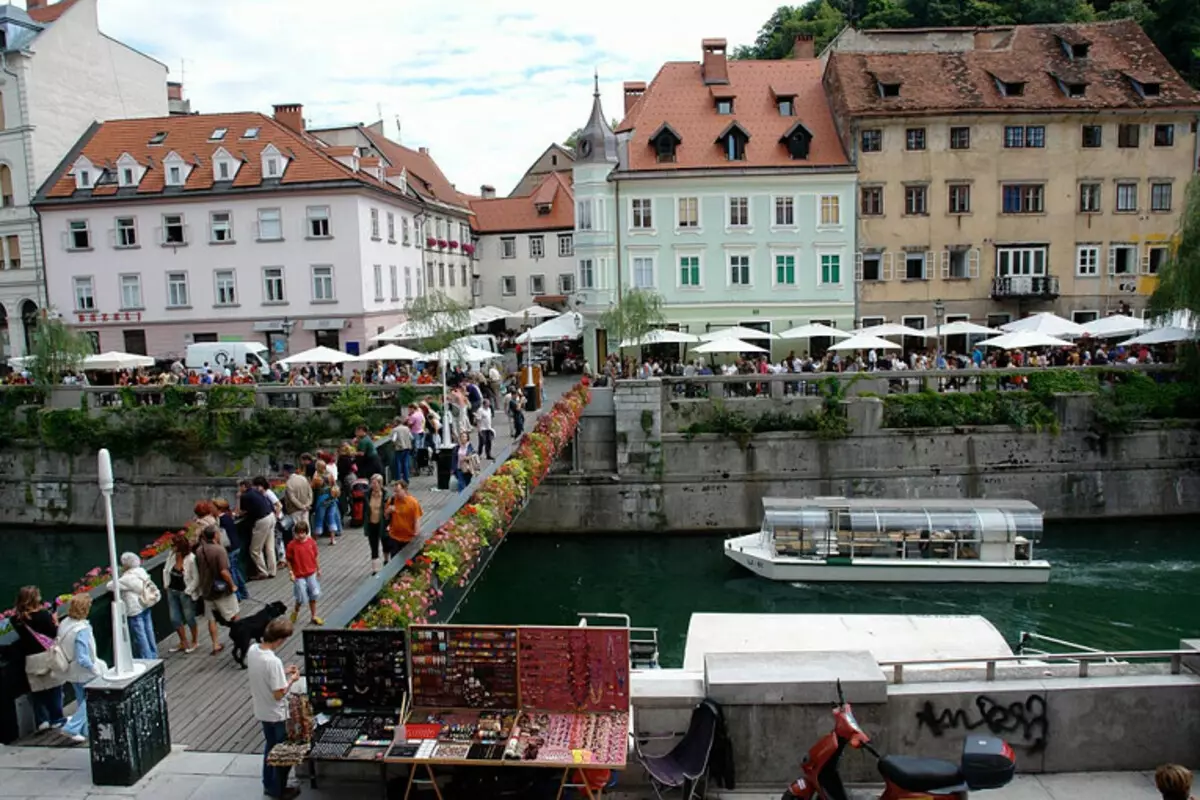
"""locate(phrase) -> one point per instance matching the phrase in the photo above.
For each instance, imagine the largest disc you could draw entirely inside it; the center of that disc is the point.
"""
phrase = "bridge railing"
(263, 395)
(1080, 660)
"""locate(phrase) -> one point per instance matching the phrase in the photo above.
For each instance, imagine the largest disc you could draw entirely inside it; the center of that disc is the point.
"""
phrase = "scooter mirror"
(840, 696)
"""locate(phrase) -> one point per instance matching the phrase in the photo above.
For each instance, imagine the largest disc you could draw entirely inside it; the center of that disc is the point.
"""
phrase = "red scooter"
(987, 763)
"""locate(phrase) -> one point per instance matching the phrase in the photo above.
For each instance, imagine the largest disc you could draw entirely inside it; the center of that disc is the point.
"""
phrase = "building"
(726, 190)
(525, 249)
(1010, 170)
(206, 227)
(60, 74)
(555, 158)
(175, 102)
(445, 214)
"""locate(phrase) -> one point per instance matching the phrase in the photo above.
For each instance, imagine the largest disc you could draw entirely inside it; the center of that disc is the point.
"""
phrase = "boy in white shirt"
(269, 684)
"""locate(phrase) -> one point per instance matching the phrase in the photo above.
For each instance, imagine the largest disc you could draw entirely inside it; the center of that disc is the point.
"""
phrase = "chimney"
(487, 192)
(174, 90)
(423, 151)
(290, 115)
(713, 68)
(803, 47)
(633, 92)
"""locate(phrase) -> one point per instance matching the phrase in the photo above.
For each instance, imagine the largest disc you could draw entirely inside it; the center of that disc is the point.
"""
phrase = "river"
(1127, 584)
(55, 559)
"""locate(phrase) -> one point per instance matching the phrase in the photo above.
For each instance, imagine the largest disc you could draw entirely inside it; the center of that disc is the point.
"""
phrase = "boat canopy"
(990, 520)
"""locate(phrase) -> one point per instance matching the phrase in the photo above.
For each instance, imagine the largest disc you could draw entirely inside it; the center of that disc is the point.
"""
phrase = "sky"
(485, 85)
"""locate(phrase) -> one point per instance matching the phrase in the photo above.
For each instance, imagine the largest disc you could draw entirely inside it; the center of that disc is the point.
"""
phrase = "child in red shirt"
(305, 568)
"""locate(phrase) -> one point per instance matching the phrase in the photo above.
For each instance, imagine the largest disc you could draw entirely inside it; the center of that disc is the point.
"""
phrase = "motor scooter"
(987, 763)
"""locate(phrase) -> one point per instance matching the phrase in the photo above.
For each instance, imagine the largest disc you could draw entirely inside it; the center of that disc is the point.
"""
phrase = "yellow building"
(1010, 170)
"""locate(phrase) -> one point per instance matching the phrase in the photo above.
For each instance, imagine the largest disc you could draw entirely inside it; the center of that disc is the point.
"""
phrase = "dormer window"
(272, 167)
(798, 140)
(129, 171)
(251, 133)
(273, 163)
(733, 141)
(174, 176)
(176, 169)
(785, 101)
(1145, 86)
(85, 179)
(542, 209)
(222, 170)
(785, 108)
(889, 89)
(218, 135)
(84, 172)
(1076, 89)
(158, 138)
(225, 166)
(1009, 88)
(1076, 50)
(126, 176)
(725, 106)
(664, 141)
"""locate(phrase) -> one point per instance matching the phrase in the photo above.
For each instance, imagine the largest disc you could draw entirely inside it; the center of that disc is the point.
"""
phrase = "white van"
(482, 341)
(221, 354)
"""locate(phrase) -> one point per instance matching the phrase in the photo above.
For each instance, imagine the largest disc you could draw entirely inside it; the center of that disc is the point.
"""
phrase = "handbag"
(149, 595)
(52, 661)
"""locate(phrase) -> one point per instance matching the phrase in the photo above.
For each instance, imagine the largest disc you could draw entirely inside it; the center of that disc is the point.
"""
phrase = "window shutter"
(1112, 260)
(973, 263)
(945, 265)
(858, 267)
(1146, 261)
(887, 267)
(930, 261)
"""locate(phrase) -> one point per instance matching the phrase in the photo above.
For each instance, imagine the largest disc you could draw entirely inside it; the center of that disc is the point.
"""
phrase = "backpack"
(150, 595)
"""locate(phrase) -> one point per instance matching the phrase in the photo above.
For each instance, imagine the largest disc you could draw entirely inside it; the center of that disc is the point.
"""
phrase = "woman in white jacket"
(133, 582)
(78, 643)
(182, 581)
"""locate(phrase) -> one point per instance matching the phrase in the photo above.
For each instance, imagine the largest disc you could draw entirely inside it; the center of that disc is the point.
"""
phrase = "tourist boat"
(896, 541)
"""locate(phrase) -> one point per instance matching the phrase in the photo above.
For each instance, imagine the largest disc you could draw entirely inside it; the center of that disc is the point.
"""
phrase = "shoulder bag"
(52, 661)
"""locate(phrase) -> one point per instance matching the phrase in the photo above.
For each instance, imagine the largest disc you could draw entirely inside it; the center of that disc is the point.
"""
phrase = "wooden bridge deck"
(208, 697)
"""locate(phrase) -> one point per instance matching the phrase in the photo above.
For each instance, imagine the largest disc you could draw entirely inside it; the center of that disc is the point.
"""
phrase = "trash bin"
(445, 458)
(127, 723)
(358, 501)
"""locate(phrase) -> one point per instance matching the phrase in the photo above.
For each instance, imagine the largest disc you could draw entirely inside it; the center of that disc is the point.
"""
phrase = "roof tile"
(505, 214)
(424, 175)
(47, 14)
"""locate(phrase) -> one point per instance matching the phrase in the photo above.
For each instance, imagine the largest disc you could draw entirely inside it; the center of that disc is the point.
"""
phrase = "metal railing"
(264, 395)
(1082, 659)
(643, 642)
(1044, 286)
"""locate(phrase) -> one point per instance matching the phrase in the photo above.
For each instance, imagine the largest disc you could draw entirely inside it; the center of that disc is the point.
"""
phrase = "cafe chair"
(686, 766)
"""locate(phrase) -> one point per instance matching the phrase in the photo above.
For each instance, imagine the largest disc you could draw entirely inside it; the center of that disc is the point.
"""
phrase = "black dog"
(249, 629)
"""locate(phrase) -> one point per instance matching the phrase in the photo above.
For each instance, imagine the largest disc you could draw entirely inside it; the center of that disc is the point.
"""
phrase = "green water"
(1130, 584)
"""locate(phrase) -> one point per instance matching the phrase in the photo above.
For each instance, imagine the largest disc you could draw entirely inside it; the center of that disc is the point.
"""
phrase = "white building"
(526, 245)
(60, 74)
(167, 231)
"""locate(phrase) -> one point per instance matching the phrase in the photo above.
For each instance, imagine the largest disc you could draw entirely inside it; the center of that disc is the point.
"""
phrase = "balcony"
(1043, 287)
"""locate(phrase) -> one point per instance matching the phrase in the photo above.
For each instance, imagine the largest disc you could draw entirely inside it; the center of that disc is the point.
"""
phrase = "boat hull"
(748, 552)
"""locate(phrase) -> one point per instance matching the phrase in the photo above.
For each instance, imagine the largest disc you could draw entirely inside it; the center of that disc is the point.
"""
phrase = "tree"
(636, 314)
(572, 141)
(56, 349)
(1179, 278)
(821, 19)
(437, 321)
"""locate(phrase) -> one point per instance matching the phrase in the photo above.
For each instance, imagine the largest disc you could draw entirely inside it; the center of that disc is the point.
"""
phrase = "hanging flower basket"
(453, 245)
(469, 249)
(442, 243)
(431, 242)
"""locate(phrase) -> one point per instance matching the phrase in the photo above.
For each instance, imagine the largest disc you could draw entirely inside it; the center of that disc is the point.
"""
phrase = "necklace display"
(576, 669)
(356, 670)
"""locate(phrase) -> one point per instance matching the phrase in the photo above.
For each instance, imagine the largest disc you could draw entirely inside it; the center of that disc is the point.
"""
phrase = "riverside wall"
(633, 470)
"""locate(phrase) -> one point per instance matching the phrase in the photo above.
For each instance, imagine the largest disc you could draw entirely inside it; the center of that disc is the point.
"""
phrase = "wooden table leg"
(412, 773)
(562, 784)
(433, 782)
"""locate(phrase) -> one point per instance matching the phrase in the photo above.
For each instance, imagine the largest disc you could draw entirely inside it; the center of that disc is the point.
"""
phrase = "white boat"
(894, 541)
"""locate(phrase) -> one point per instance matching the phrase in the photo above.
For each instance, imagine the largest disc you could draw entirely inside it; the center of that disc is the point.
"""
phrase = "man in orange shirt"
(404, 519)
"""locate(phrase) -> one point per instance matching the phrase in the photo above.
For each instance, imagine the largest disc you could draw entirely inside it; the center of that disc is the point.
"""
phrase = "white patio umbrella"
(736, 332)
(1017, 340)
(1116, 325)
(20, 362)
(661, 336)
(391, 352)
(486, 314)
(959, 328)
(1167, 335)
(319, 355)
(891, 329)
(563, 326)
(814, 330)
(862, 341)
(533, 312)
(414, 329)
(726, 344)
(114, 360)
(1045, 322)
(461, 354)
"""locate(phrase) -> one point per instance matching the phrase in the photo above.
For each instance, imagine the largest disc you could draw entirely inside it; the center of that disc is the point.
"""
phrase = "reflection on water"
(1128, 584)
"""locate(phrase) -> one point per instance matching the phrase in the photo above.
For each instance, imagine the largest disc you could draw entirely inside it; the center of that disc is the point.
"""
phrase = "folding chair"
(685, 767)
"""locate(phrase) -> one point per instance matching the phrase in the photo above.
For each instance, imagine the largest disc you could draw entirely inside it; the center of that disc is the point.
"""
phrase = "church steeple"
(597, 143)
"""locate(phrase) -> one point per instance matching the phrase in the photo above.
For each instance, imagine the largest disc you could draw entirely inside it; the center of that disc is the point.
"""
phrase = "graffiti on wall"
(1022, 723)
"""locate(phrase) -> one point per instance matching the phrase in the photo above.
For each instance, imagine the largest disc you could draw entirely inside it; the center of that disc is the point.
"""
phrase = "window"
(1093, 135)
(442, 274)
(85, 298)
(126, 232)
(643, 272)
(1016, 136)
(537, 285)
(273, 285)
(1127, 197)
(220, 227)
(785, 108)
(664, 147)
(462, 268)
(14, 251)
(127, 175)
(131, 292)
(251, 133)
(689, 271)
(217, 135)
(643, 217)
(739, 212)
(587, 274)
(1011, 88)
(174, 231)
(272, 167)
(960, 263)
(914, 266)
(1084, 317)
(735, 146)
(378, 283)
(177, 290)
(174, 176)
(872, 201)
(375, 224)
(318, 222)
(270, 224)
(1160, 197)
(222, 170)
(391, 227)
(566, 244)
(85, 178)
(960, 138)
(689, 212)
(914, 139)
(960, 198)
(1035, 136)
(429, 275)
(1155, 258)
(785, 211)
(508, 285)
(1128, 135)
(79, 237)
(1164, 135)
(915, 200)
(566, 282)
(508, 247)
(872, 267)
(1122, 259)
(739, 270)
(872, 140)
(831, 268)
(1089, 198)
(408, 287)
(725, 107)
(537, 247)
(1087, 260)
(889, 89)
(831, 209)
(322, 283)
(226, 287)
(1024, 198)
(404, 234)
(785, 270)
(1020, 261)
(583, 215)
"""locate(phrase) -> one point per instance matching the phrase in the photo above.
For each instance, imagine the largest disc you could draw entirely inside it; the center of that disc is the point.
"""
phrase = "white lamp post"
(123, 665)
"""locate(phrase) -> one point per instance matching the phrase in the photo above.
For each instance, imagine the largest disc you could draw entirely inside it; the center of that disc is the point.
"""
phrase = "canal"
(1119, 585)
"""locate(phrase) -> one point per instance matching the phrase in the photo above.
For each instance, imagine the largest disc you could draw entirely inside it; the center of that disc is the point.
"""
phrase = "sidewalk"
(65, 774)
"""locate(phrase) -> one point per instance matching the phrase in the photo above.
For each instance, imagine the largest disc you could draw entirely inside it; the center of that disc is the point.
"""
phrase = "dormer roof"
(516, 214)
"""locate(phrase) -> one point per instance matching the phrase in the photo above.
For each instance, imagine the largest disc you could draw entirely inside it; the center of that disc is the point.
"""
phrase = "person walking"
(269, 683)
(233, 545)
(374, 520)
(487, 434)
(404, 520)
(402, 445)
(216, 585)
(297, 494)
(368, 455)
(255, 505)
(78, 643)
(139, 594)
(325, 516)
(303, 562)
(466, 462)
(37, 630)
(182, 582)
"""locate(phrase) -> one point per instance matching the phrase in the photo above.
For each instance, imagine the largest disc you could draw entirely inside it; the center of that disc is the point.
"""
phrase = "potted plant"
(441, 243)
(453, 245)
(430, 242)
(469, 249)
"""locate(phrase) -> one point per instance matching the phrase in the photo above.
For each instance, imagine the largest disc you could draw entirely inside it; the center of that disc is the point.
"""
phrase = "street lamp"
(939, 315)
(123, 666)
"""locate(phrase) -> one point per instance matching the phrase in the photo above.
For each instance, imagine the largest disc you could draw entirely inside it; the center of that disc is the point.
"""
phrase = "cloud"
(485, 85)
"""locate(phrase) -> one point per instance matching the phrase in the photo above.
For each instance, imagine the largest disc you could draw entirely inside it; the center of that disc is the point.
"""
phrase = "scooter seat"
(920, 774)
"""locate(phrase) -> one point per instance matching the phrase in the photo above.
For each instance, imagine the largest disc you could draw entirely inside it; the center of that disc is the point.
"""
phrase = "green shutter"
(785, 269)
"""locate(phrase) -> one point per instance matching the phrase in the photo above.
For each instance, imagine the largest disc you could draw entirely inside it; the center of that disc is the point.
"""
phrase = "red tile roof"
(47, 14)
(188, 136)
(512, 214)
(679, 97)
(942, 82)
(424, 175)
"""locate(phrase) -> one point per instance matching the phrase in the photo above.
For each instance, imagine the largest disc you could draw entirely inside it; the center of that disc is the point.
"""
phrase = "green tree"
(1179, 279)
(886, 14)
(573, 140)
(55, 349)
(821, 19)
(437, 321)
(638, 312)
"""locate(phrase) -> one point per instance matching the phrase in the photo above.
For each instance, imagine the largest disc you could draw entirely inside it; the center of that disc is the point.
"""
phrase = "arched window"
(29, 321)
(6, 186)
